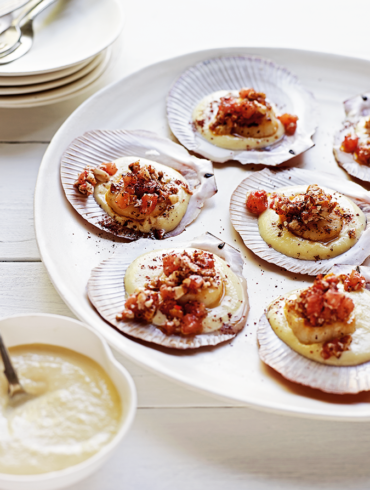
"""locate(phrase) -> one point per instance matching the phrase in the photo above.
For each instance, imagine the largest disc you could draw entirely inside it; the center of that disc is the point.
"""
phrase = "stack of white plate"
(70, 51)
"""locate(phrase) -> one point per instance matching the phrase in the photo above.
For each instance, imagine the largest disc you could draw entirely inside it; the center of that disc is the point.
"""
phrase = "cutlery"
(10, 37)
(26, 40)
(17, 394)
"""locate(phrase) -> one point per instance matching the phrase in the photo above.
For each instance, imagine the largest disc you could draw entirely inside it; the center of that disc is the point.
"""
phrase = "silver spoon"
(26, 40)
(17, 394)
(10, 37)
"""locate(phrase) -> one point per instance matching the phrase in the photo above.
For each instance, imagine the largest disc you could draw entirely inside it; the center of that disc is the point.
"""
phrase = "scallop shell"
(293, 366)
(358, 106)
(246, 224)
(96, 147)
(233, 73)
(106, 291)
(355, 108)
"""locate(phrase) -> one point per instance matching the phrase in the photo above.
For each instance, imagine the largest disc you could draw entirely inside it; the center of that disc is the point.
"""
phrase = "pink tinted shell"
(106, 291)
(96, 147)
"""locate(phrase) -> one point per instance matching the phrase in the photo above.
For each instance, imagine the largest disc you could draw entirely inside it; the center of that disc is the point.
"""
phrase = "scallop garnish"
(246, 223)
(351, 146)
(95, 148)
(226, 77)
(106, 290)
(299, 369)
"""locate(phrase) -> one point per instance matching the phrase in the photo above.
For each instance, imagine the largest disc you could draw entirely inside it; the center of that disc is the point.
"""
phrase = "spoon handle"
(9, 371)
(38, 9)
(25, 11)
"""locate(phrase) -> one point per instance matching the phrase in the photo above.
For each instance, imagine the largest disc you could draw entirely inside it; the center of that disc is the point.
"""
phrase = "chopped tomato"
(349, 144)
(345, 308)
(148, 203)
(167, 292)
(354, 281)
(167, 305)
(123, 200)
(110, 168)
(257, 202)
(196, 282)
(81, 178)
(191, 325)
(129, 182)
(289, 122)
(195, 308)
(333, 298)
(314, 304)
(171, 263)
(176, 311)
(204, 260)
(169, 328)
(251, 94)
(363, 155)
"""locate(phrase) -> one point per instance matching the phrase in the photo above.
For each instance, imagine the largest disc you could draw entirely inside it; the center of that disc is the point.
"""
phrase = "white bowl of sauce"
(84, 403)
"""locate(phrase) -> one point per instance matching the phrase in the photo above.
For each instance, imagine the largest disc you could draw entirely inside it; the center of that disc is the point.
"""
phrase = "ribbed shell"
(106, 291)
(355, 108)
(96, 147)
(233, 73)
(293, 366)
(358, 106)
(246, 224)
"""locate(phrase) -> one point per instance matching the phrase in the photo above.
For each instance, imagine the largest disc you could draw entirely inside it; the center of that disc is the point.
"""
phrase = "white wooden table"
(182, 439)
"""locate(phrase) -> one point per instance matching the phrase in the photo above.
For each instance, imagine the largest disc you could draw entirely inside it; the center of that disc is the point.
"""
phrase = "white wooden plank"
(19, 164)
(235, 449)
(26, 288)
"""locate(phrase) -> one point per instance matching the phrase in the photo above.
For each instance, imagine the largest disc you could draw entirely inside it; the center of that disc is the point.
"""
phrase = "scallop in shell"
(293, 366)
(106, 291)
(96, 147)
(356, 109)
(246, 224)
(281, 87)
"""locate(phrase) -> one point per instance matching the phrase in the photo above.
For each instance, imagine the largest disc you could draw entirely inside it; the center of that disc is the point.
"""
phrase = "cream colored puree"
(265, 134)
(166, 221)
(220, 301)
(294, 246)
(76, 412)
(360, 347)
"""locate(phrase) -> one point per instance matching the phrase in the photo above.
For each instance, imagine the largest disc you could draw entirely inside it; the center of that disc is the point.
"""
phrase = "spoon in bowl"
(17, 394)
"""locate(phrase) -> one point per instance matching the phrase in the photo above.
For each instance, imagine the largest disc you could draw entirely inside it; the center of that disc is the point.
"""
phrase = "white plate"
(10, 81)
(60, 82)
(70, 248)
(57, 94)
(67, 33)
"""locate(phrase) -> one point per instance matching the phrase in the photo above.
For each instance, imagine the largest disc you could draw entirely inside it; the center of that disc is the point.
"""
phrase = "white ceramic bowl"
(74, 335)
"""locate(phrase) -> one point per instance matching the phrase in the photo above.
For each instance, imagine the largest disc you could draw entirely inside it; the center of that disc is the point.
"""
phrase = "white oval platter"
(70, 247)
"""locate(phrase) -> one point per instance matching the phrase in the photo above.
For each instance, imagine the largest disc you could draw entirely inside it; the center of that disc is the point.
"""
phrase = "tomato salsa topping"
(257, 202)
(289, 122)
(183, 273)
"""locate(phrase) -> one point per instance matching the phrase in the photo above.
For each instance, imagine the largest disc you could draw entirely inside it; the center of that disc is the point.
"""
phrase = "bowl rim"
(126, 421)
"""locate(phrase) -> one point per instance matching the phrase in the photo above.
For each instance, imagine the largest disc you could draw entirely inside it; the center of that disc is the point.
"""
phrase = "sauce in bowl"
(75, 412)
